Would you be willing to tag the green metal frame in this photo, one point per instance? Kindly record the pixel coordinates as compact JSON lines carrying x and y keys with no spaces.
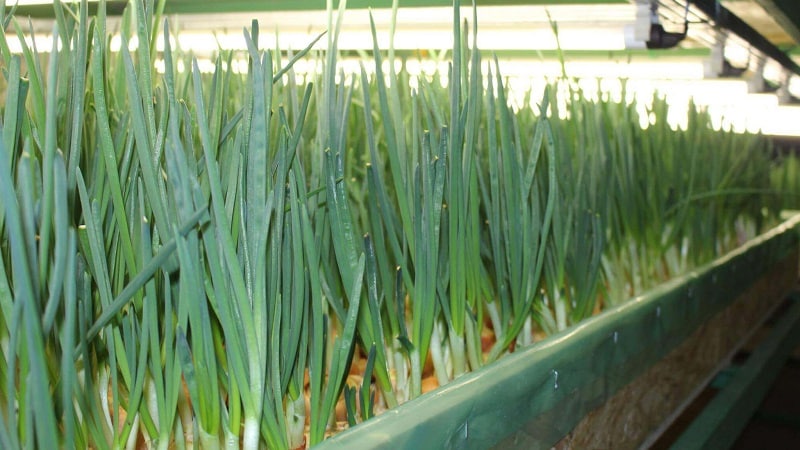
{"x":724,"y":418}
{"x":113,"y":8}
{"x":207,"y":6}
{"x":539,"y":394}
{"x":785,"y":9}
{"x":116,"y":7}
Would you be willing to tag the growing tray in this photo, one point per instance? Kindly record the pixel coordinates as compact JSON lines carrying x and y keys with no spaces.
{"x":610,"y":381}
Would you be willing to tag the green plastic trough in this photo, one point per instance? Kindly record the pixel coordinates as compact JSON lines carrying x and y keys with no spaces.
{"x":726,"y":415}
{"x":536,"y":396}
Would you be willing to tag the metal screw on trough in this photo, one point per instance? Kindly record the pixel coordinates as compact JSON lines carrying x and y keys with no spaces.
{"x":555,"y":378}
{"x":616,"y":336}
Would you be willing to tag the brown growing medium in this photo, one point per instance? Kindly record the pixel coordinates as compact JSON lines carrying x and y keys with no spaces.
{"x":636,"y":410}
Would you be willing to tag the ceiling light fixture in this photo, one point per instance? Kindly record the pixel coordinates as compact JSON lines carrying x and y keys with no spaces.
{"x":659,"y":37}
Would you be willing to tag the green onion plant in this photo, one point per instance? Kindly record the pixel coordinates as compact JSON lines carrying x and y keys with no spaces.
{"x":226,"y":260}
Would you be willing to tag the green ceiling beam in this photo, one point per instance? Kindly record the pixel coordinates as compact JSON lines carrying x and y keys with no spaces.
{"x":789,"y":7}
{"x":115,"y":7}
{"x":788,"y":10}
{"x":214,"y":6}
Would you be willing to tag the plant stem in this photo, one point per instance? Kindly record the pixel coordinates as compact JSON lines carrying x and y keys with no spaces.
{"x":561,"y":311}
{"x":474,"y":350}
{"x":457,"y":353}
{"x":296,"y":421}
{"x":416,"y":374}
{"x":401,"y":381}
{"x":207,"y":440}
{"x":252,"y":433}
{"x":438,"y":357}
